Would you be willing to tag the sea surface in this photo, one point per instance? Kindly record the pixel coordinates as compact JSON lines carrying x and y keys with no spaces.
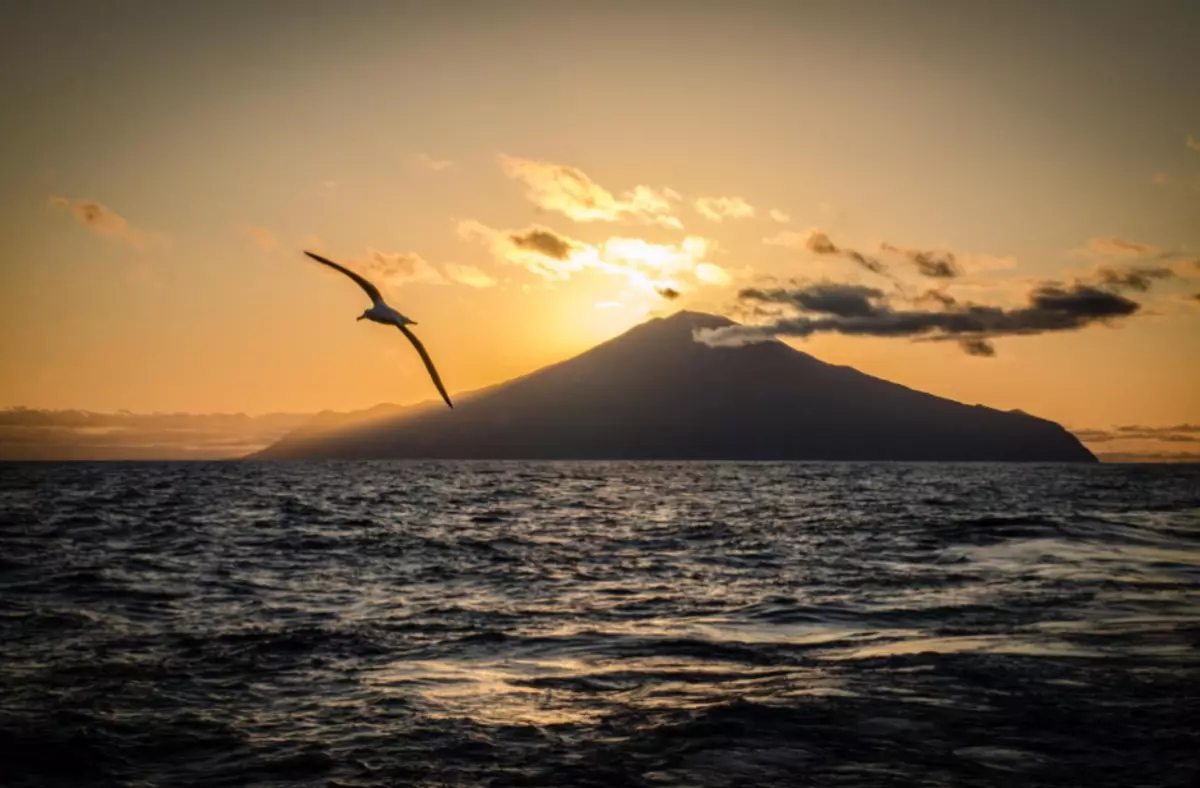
{"x":599,"y":624}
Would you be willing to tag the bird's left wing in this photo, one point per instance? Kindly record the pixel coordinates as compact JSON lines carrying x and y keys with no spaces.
{"x":370,"y":289}
{"x":437,"y":381}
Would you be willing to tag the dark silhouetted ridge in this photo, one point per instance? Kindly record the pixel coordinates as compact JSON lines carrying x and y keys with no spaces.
{"x":655,"y":393}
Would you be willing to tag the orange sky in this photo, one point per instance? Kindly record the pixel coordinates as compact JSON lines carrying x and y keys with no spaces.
{"x":164,"y":166}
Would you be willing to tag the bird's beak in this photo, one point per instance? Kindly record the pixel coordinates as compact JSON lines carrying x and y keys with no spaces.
{"x":360,"y":317}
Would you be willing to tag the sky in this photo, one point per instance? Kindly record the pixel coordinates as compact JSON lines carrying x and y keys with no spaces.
{"x":996,"y":203}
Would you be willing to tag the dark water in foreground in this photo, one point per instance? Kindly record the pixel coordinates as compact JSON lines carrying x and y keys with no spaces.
{"x":599,"y":624}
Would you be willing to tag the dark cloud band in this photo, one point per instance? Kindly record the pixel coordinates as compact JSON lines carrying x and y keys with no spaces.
{"x":857,"y":311}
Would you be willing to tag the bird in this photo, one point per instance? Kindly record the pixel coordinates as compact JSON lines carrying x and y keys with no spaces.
{"x":380,"y":312}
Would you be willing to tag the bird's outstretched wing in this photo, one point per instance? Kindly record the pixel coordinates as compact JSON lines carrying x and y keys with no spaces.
{"x":371,"y":289}
{"x":437,"y":381}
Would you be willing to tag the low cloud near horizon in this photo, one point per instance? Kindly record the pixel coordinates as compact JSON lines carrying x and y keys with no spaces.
{"x":27,"y":434}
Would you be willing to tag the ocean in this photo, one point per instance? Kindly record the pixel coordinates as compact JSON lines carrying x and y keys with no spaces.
{"x":599,"y":624}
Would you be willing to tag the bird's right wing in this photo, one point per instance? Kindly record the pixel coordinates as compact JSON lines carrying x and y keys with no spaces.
{"x":437,"y":381}
{"x":371,"y":289}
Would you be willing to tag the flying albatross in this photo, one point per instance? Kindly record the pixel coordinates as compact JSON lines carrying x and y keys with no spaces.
{"x":380,"y":312}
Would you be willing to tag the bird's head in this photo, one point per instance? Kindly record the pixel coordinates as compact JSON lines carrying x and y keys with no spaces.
{"x":366,"y":313}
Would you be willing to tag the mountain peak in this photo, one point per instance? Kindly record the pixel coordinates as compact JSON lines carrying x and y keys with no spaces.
{"x":690,"y":321}
{"x":696,"y":319}
{"x":676,"y":328}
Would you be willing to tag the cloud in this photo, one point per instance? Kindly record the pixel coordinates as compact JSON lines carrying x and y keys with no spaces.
{"x":818,"y":242}
{"x":468,"y":275}
{"x":718,"y":209}
{"x":1119,"y":246}
{"x":536,"y":249}
{"x":834,"y":299}
{"x":940,"y":264}
{"x":939,"y":297}
{"x":425,"y":161}
{"x":545,"y":242}
{"x":1137,"y":278}
{"x":261,"y":237}
{"x":779,"y":216}
{"x":668,"y":293}
{"x":107,"y":223}
{"x":855,"y":311}
{"x":1160,"y":179}
{"x":1176,"y":429}
{"x":398,"y":268}
{"x":554,"y":256}
{"x":712,"y":274}
{"x":1138,"y":443}
{"x":1193,"y":143}
{"x":27,"y":434}
{"x":569,"y":191}
{"x":976,"y":346}
{"x":977,"y":263}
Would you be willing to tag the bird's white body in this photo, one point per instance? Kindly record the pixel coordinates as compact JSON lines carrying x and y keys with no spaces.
{"x":382,"y":313}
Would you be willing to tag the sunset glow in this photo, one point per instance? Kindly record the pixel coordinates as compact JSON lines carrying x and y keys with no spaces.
{"x":527,"y":180}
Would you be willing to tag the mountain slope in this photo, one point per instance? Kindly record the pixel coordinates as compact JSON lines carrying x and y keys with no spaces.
{"x":655,"y":393}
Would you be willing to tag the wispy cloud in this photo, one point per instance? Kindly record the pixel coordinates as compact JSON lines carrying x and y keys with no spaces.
{"x":818,"y":242}
{"x":1159,"y":178}
{"x":427,"y":162}
{"x":1138,"y":278}
{"x":396,"y":269}
{"x":1111,"y":245}
{"x":1193,"y":143}
{"x":779,"y":216}
{"x":107,"y":223}
{"x":554,"y":256}
{"x":938,"y":297}
{"x":718,"y":209}
{"x":469,"y":275}
{"x":569,"y":191}
{"x":261,"y":237}
{"x":936,"y":264}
